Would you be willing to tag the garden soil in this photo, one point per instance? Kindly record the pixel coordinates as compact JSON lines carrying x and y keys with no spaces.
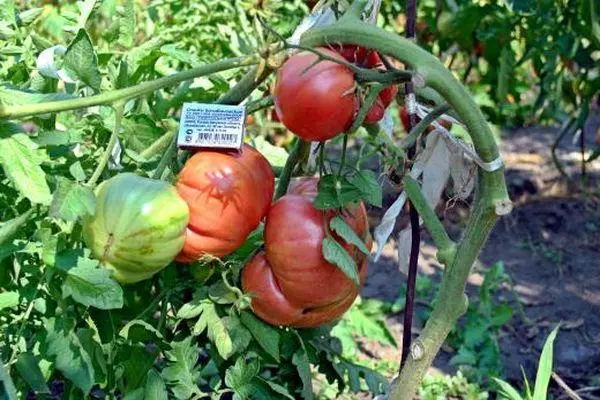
{"x":550,"y":247}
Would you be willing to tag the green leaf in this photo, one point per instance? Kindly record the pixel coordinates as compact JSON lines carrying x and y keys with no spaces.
{"x":127,"y":24}
{"x":155,"y":388}
{"x":137,"y":361}
{"x":8,"y":390}
{"x":81,"y":61}
{"x":300,"y":360}
{"x":544,"y":372}
{"x":217,"y":333}
{"x":339,"y":226}
{"x":8,"y":128}
{"x":335,"y":192}
{"x":70,"y":358}
{"x":276,"y":156}
{"x":140,"y":132}
{"x":506,"y":391}
{"x":72,"y":201}
{"x":9,"y":300}
{"x":265,"y":335}
{"x":13,"y":97}
{"x":29,"y":369}
{"x":87,"y":8}
{"x":240,"y":336}
{"x":280,"y":390}
{"x":464,"y":357}
{"x":241,"y":374}
{"x":21,"y":163}
{"x":335,"y":253}
{"x":501,"y":315}
{"x":92,"y":286}
{"x":138,"y":331}
{"x":28,"y":16}
{"x":366,"y":182}
{"x":182,"y":373}
{"x":7,"y":11}
{"x":9,"y":228}
{"x":57,"y":138}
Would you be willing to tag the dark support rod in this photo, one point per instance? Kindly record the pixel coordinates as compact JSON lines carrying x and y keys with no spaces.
{"x":411,"y":16}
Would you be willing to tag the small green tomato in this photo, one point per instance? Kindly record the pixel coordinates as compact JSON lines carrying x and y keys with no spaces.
{"x":139,"y":226}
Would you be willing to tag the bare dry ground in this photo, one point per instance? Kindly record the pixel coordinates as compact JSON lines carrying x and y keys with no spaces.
{"x":550,"y":246}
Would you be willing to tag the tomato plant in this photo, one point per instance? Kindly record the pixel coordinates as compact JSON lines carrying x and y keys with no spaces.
{"x":89,"y":112}
{"x":223,"y":189}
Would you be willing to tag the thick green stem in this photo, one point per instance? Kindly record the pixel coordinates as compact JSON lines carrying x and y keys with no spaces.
{"x":366,"y":106}
{"x":166,"y":159}
{"x":159,"y":145}
{"x":257,"y":105}
{"x":423,"y":125}
{"x":28,"y":110}
{"x":109,"y":147}
{"x":245,"y":86}
{"x":446,"y":247}
{"x":284,"y":179}
{"x":491,"y":199}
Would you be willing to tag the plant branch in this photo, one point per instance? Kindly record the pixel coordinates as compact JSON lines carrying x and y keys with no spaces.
{"x":298,"y":148}
{"x":259,"y":104}
{"x":29,"y":110}
{"x":445,"y":245}
{"x":418,"y":130}
{"x":366,"y":106}
{"x":109,"y":147}
{"x":166,"y":158}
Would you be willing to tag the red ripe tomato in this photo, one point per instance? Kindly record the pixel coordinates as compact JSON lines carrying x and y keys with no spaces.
{"x":315,"y":103}
{"x":366,"y":58}
{"x":228,"y":193}
{"x":290,"y":282}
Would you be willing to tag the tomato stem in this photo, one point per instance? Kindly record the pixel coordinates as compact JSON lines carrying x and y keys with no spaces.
{"x":29,"y":110}
{"x":114,"y":136}
{"x":366,"y":106}
{"x":298,"y":148}
{"x":418,"y":130}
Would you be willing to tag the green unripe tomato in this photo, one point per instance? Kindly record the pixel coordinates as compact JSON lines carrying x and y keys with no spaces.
{"x":139,"y":226}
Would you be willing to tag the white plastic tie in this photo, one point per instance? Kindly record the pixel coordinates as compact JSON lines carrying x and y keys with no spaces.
{"x":47,"y":67}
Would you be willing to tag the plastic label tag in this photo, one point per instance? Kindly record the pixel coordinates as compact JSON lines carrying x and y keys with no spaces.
{"x":211,"y":125}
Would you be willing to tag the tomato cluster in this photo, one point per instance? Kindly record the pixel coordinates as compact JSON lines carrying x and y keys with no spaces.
{"x":317,"y":100}
{"x":290,"y":282}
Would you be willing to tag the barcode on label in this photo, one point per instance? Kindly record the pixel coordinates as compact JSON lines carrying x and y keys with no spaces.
{"x":211,"y":125}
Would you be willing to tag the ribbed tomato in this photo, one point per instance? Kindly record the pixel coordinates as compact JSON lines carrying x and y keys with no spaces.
{"x":290,"y":282}
{"x":138,"y":228}
{"x":228,"y":193}
{"x":315,"y":101}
